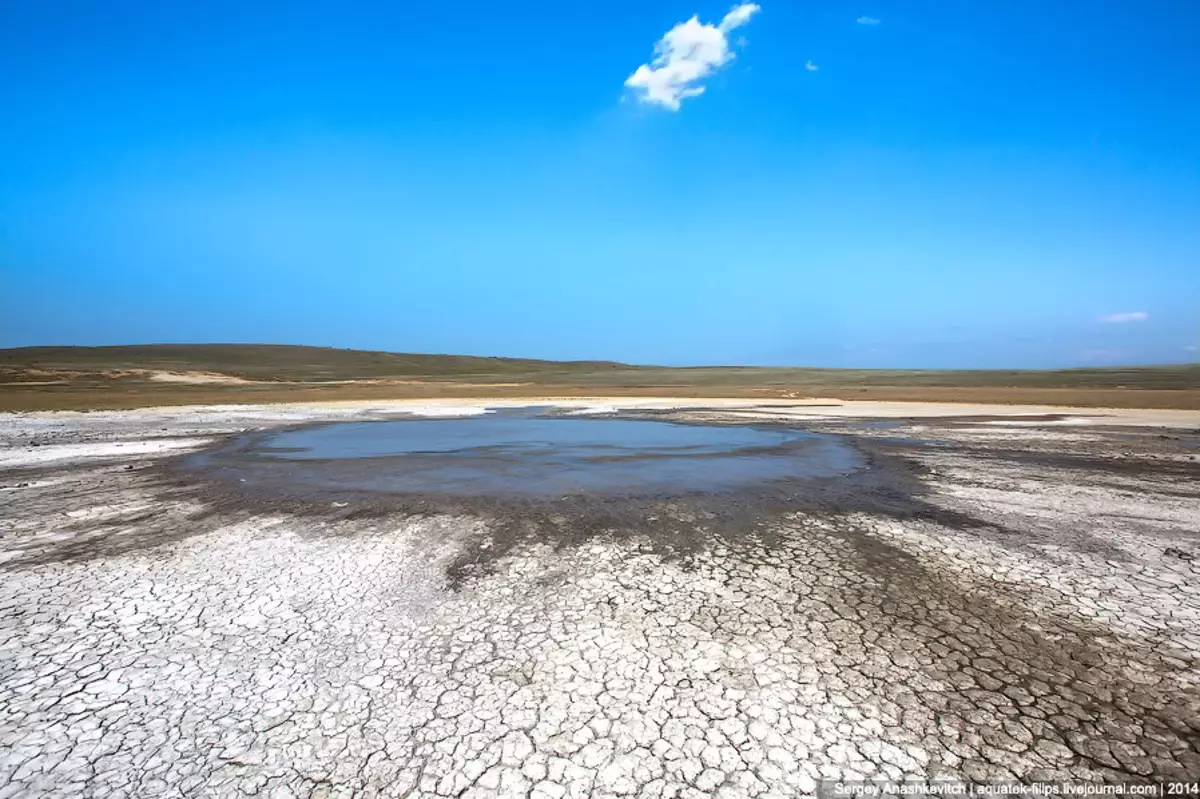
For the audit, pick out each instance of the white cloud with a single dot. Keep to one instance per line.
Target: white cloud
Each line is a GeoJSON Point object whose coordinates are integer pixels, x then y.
{"type": "Point", "coordinates": [1128, 316]}
{"type": "Point", "coordinates": [738, 16]}
{"type": "Point", "coordinates": [868, 20]}
{"type": "Point", "coordinates": [810, 66]}
{"type": "Point", "coordinates": [686, 55]}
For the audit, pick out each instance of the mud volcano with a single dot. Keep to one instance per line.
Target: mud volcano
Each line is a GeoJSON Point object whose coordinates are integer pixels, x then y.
{"type": "Point", "coordinates": [530, 455]}
{"type": "Point", "coordinates": [678, 485]}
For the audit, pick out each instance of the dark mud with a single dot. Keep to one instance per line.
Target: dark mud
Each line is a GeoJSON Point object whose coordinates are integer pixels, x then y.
{"type": "Point", "coordinates": [517, 453]}
{"type": "Point", "coordinates": [677, 520]}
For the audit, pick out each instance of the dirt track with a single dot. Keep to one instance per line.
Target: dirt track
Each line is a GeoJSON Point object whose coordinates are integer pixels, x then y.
{"type": "Point", "coordinates": [1012, 598]}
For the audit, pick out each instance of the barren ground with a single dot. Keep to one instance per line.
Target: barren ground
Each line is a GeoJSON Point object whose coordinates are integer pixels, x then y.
{"type": "Point", "coordinates": [112, 378]}
{"type": "Point", "coordinates": [1013, 594]}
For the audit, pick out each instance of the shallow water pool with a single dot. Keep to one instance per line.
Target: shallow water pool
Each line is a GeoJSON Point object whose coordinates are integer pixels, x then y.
{"type": "Point", "coordinates": [527, 453]}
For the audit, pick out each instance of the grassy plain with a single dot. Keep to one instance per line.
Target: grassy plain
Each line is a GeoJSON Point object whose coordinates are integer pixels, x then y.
{"type": "Point", "coordinates": [86, 378]}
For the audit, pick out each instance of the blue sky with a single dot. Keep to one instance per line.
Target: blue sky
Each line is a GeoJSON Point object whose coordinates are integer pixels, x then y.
{"type": "Point", "coordinates": [883, 183]}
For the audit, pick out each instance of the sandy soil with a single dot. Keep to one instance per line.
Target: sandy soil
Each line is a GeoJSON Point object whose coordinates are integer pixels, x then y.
{"type": "Point", "coordinates": [1014, 596]}
{"type": "Point", "coordinates": [197, 378]}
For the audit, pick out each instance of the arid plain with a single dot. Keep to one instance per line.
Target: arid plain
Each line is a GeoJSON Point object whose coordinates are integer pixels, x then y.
{"type": "Point", "coordinates": [995, 592]}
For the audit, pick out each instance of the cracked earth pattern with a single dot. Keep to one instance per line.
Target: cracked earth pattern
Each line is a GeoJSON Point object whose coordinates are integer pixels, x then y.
{"type": "Point", "coordinates": [250, 654]}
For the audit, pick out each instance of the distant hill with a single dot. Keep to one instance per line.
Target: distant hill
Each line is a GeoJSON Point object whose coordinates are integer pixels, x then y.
{"type": "Point", "coordinates": [283, 361]}
{"type": "Point", "coordinates": [171, 374]}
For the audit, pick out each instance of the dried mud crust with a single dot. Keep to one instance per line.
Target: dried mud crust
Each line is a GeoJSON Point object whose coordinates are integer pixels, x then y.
{"type": "Point", "coordinates": [981, 603]}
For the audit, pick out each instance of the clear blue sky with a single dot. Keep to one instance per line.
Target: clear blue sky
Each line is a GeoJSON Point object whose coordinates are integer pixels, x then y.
{"type": "Point", "coordinates": [866, 183]}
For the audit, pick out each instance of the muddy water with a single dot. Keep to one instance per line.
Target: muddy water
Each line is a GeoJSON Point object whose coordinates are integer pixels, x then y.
{"type": "Point", "coordinates": [526, 454]}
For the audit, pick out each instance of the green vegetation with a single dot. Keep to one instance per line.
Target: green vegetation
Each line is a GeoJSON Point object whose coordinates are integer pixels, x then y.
{"type": "Point", "coordinates": [283, 363]}
{"type": "Point", "coordinates": [98, 377]}
{"type": "Point", "coordinates": [280, 362]}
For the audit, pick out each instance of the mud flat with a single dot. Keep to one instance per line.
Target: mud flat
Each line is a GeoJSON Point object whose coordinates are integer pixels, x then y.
{"type": "Point", "coordinates": [980, 593]}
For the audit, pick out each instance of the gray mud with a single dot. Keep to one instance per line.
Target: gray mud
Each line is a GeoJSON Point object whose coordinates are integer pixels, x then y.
{"type": "Point", "coordinates": [529, 454]}
{"type": "Point", "coordinates": [678, 487]}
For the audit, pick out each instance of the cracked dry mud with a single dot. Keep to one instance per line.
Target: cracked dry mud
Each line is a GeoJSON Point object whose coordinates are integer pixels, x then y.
{"type": "Point", "coordinates": [159, 640]}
